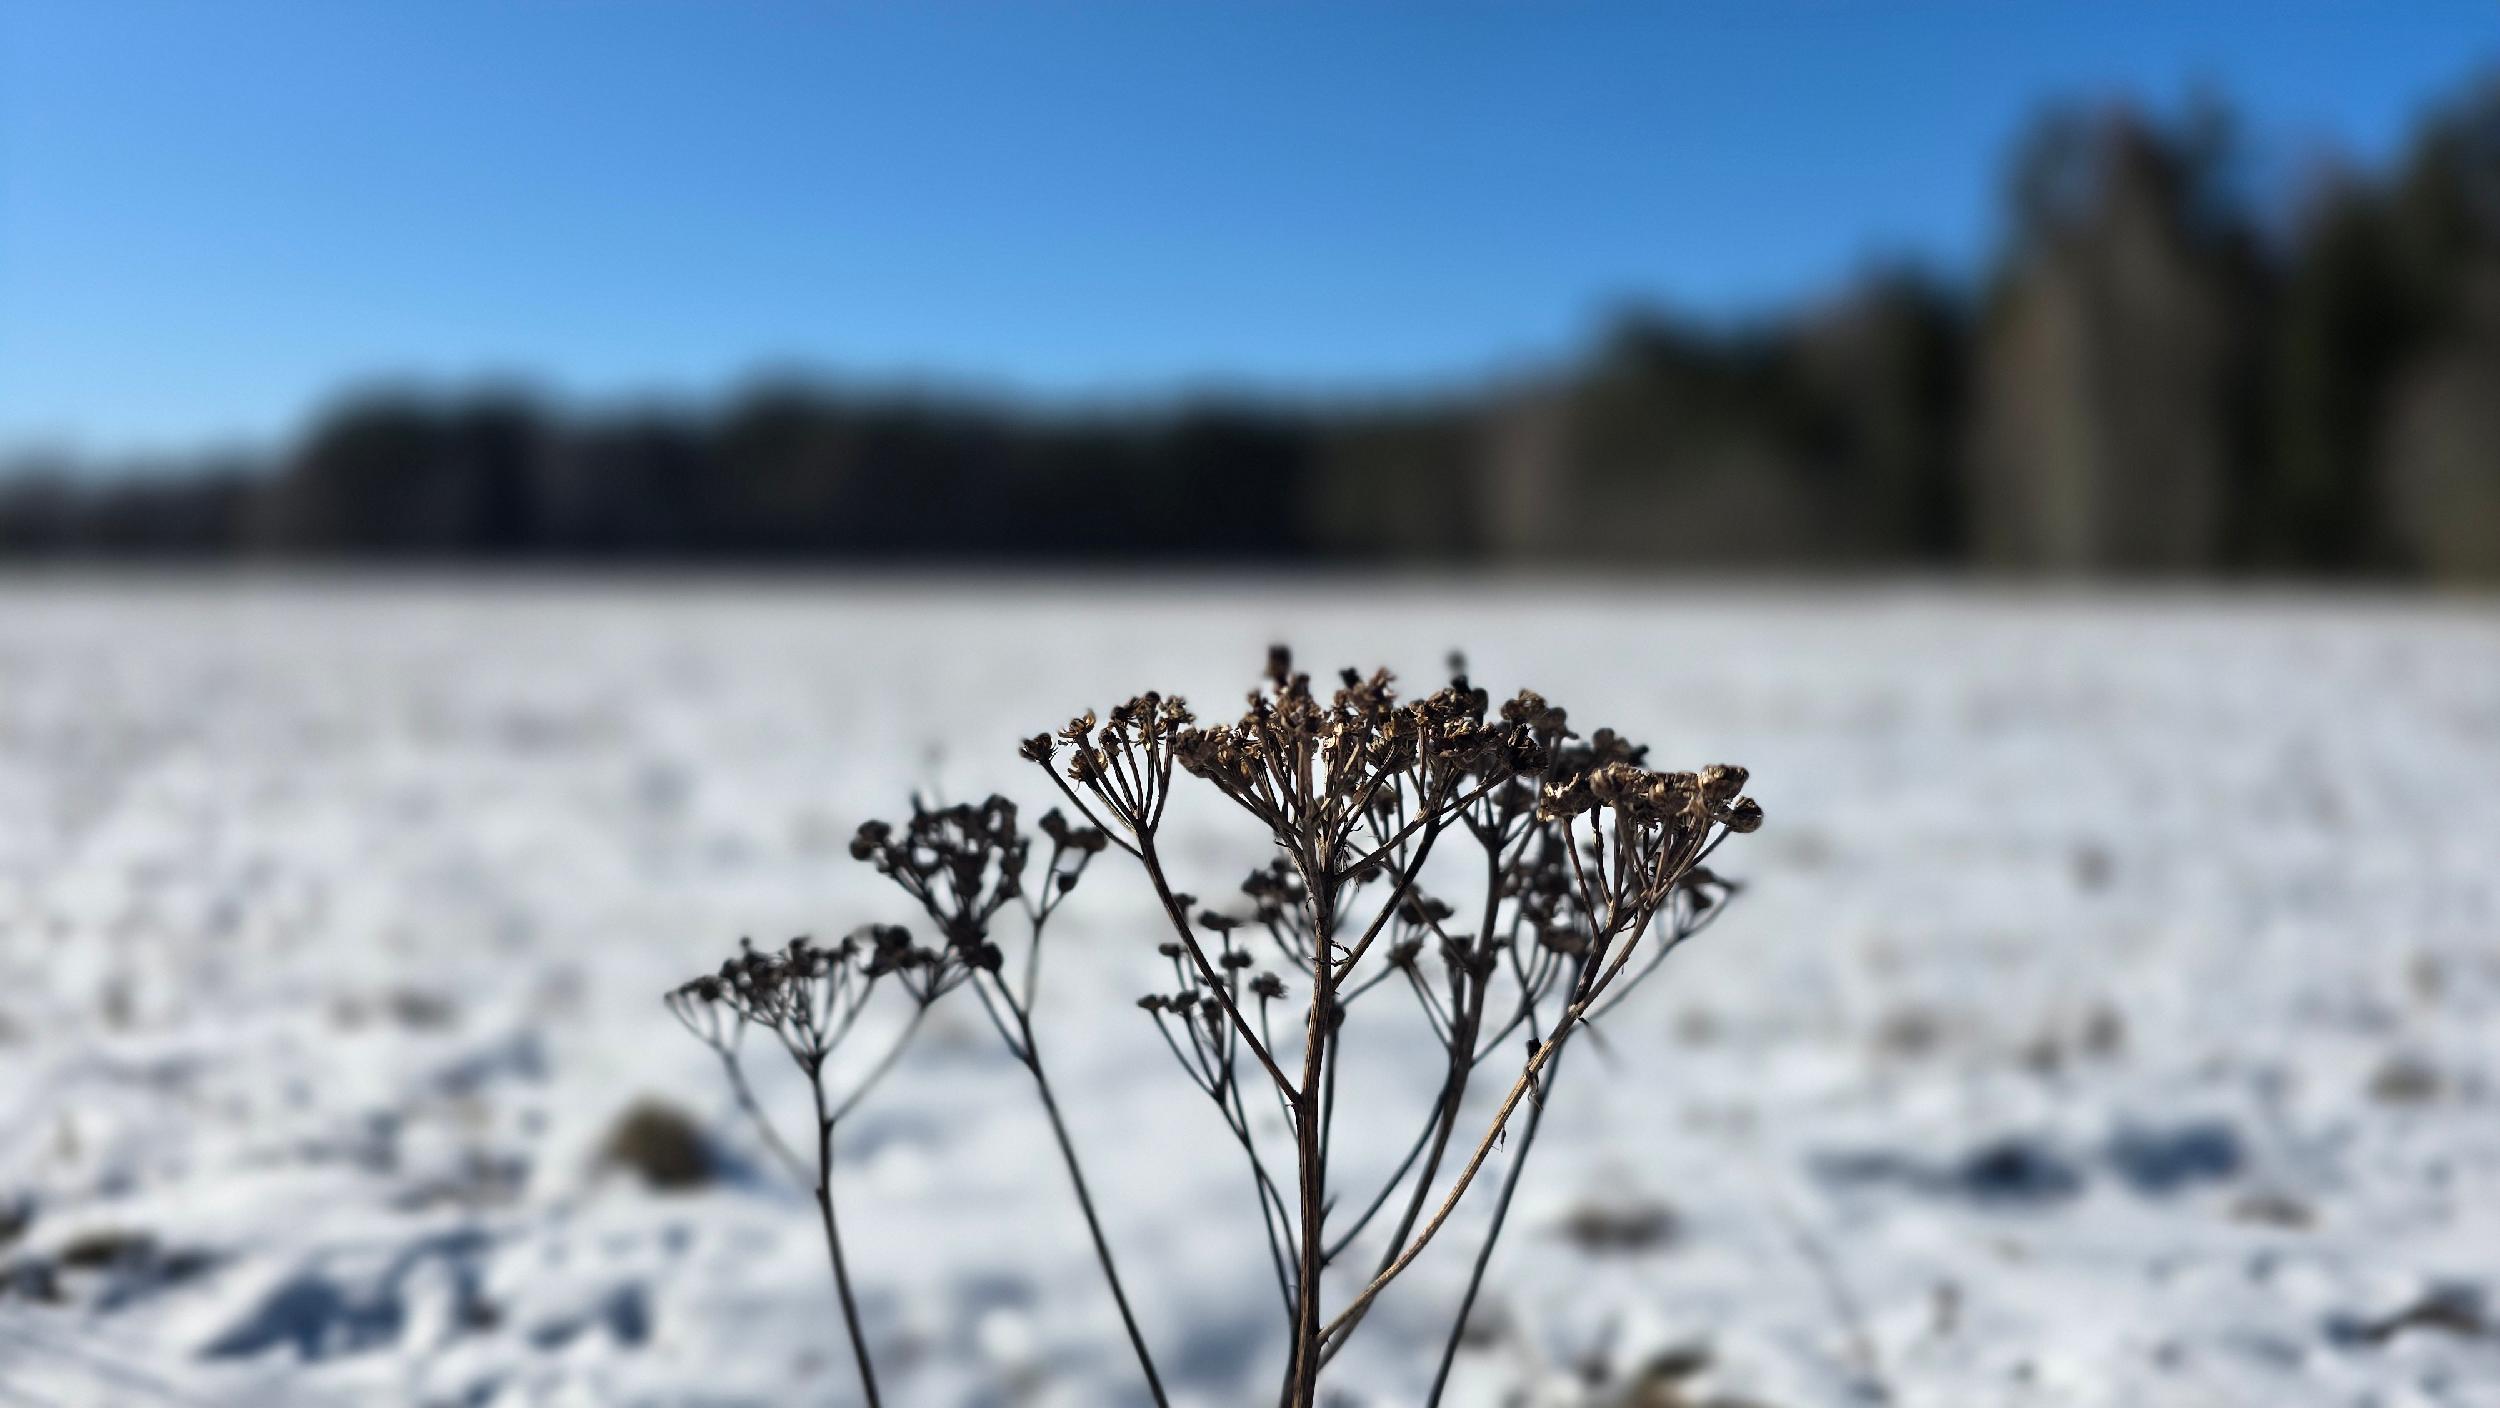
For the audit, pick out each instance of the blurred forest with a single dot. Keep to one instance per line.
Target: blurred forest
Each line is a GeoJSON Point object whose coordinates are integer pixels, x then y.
{"type": "Point", "coordinates": [2166, 370]}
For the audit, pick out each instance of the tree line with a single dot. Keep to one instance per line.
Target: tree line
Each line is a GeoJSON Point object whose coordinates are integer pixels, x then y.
{"type": "Point", "coordinates": [2169, 367]}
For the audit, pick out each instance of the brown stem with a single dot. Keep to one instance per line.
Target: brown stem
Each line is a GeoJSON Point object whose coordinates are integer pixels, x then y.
{"type": "Point", "coordinates": [1309, 1141]}
{"type": "Point", "coordinates": [1388, 1188]}
{"type": "Point", "coordinates": [1216, 986]}
{"type": "Point", "coordinates": [833, 1238]}
{"type": "Point", "coordinates": [1475, 1163]}
{"type": "Point", "coordinates": [1462, 1038]}
{"type": "Point", "coordinates": [1453, 1094]}
{"type": "Point", "coordinates": [1093, 1225]}
{"type": "Point", "coordinates": [1493, 1234]}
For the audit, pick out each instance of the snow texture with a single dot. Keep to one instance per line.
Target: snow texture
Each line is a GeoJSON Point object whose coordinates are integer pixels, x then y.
{"type": "Point", "coordinates": [2110, 1021]}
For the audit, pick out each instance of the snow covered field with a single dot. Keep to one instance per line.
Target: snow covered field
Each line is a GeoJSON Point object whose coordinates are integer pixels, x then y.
{"type": "Point", "coordinates": [2114, 1018]}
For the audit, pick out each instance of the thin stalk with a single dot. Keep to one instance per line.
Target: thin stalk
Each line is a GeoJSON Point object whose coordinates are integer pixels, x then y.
{"type": "Point", "coordinates": [1460, 1039]}
{"type": "Point", "coordinates": [1274, 1217]}
{"type": "Point", "coordinates": [850, 1303]}
{"type": "Point", "coordinates": [885, 1063]}
{"type": "Point", "coordinates": [1453, 1093]}
{"type": "Point", "coordinates": [1493, 1234]}
{"type": "Point", "coordinates": [833, 1240]}
{"type": "Point", "coordinates": [1206, 971]}
{"type": "Point", "coordinates": [1475, 1163]}
{"type": "Point", "coordinates": [745, 1095]}
{"type": "Point", "coordinates": [1590, 989]}
{"type": "Point", "coordinates": [1093, 1225]}
{"type": "Point", "coordinates": [1397, 1177]}
{"type": "Point", "coordinates": [1309, 1143]}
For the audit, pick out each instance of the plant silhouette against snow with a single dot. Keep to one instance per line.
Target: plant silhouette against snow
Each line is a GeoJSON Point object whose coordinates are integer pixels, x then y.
{"type": "Point", "coordinates": [811, 998]}
{"type": "Point", "coordinates": [1579, 869]}
{"type": "Point", "coordinates": [965, 865]}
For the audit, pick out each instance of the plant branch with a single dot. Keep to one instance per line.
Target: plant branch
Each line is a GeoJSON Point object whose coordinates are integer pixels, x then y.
{"type": "Point", "coordinates": [1093, 1220]}
{"type": "Point", "coordinates": [833, 1237]}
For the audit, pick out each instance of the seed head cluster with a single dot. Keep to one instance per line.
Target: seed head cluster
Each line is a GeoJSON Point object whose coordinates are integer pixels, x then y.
{"type": "Point", "coordinates": [964, 863]}
{"type": "Point", "coordinates": [1511, 877]}
{"type": "Point", "coordinates": [1577, 867]}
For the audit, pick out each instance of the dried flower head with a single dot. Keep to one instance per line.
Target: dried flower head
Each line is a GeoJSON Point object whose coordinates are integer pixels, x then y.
{"type": "Point", "coordinates": [1514, 879]}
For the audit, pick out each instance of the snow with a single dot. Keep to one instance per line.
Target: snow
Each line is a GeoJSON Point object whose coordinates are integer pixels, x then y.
{"type": "Point", "coordinates": [2110, 1020]}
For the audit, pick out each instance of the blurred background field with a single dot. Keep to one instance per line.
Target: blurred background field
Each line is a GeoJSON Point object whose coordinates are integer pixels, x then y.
{"type": "Point", "coordinates": [2050, 289]}
{"type": "Point", "coordinates": [491, 495]}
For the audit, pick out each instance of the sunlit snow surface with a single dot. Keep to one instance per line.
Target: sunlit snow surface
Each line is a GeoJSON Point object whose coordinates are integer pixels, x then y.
{"type": "Point", "coordinates": [2114, 1017]}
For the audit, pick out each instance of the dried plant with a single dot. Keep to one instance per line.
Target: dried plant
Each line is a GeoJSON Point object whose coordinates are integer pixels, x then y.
{"type": "Point", "coordinates": [965, 866]}
{"type": "Point", "coordinates": [1513, 879]}
{"type": "Point", "coordinates": [1583, 851]}
{"type": "Point", "coordinates": [811, 999]}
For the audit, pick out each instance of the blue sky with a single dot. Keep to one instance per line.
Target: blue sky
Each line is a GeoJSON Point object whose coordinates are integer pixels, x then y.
{"type": "Point", "coordinates": [213, 215]}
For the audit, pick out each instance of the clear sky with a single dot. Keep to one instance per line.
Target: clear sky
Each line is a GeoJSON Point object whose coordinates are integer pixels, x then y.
{"type": "Point", "coordinates": [215, 213]}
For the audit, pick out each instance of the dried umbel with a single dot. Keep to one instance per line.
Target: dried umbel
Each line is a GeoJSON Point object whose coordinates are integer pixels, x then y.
{"type": "Point", "coordinates": [811, 999]}
{"type": "Point", "coordinates": [811, 996]}
{"type": "Point", "coordinates": [1512, 878]}
{"type": "Point", "coordinates": [966, 867]}
{"type": "Point", "coordinates": [1585, 860]}
{"type": "Point", "coordinates": [965, 863]}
